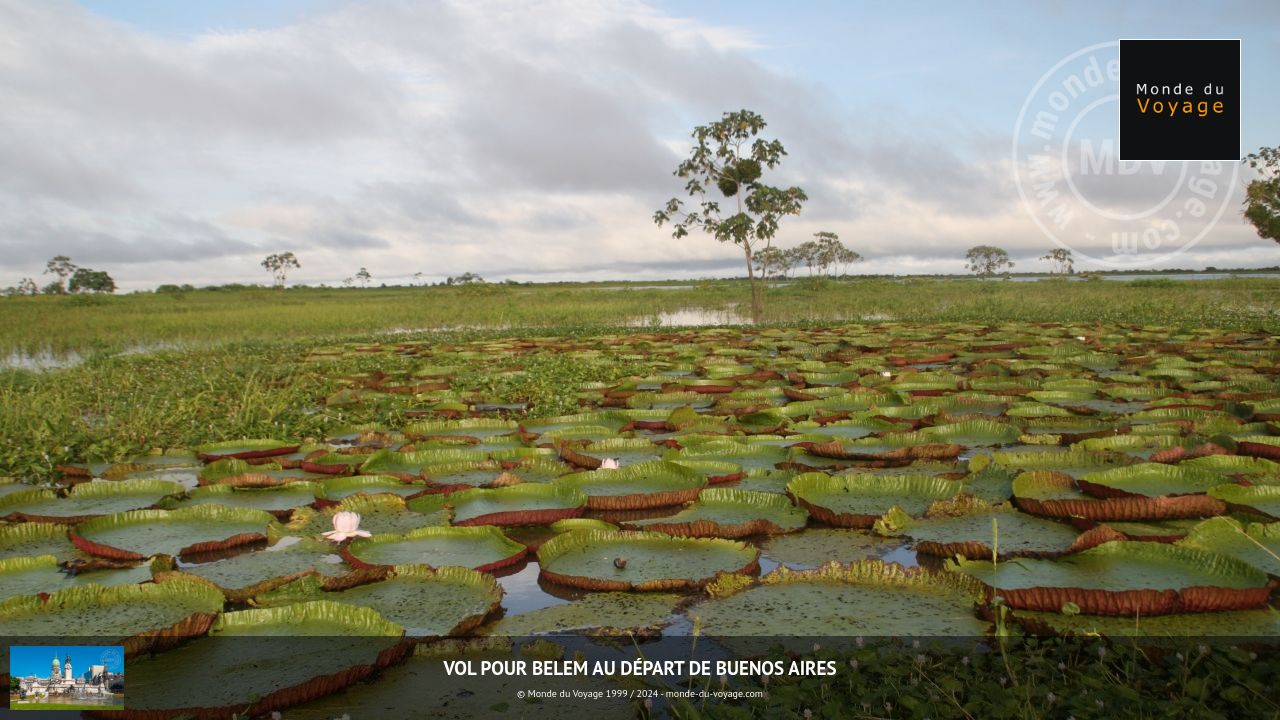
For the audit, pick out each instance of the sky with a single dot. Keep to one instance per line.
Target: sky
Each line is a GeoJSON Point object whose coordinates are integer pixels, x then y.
{"type": "Point", "coordinates": [182, 142]}
{"type": "Point", "coordinates": [37, 659]}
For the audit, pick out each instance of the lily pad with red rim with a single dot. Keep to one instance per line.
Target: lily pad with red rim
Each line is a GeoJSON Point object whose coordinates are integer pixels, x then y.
{"type": "Point", "coordinates": [521, 504]}
{"type": "Point", "coordinates": [138, 534]}
{"type": "Point", "coordinates": [729, 513]}
{"type": "Point", "coordinates": [142, 617]}
{"type": "Point", "coordinates": [483, 548]}
{"type": "Point", "coordinates": [636, 487]}
{"type": "Point", "coordinates": [244, 449]}
{"type": "Point", "coordinates": [425, 601]}
{"type": "Point", "coordinates": [1125, 578]}
{"type": "Point", "coordinates": [648, 561]}
{"type": "Point", "coordinates": [857, 500]}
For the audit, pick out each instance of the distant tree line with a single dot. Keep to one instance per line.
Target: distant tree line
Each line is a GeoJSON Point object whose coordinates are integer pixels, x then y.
{"type": "Point", "coordinates": [69, 278]}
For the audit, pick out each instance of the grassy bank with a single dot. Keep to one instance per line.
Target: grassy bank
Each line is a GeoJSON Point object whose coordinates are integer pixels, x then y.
{"type": "Point", "coordinates": [86, 324]}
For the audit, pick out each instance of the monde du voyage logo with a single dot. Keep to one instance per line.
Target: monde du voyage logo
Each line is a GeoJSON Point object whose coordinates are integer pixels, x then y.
{"type": "Point", "coordinates": [1125, 152]}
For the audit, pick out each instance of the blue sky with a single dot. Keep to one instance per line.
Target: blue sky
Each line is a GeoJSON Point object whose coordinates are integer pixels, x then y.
{"type": "Point", "coordinates": [37, 659]}
{"type": "Point", "coordinates": [183, 141]}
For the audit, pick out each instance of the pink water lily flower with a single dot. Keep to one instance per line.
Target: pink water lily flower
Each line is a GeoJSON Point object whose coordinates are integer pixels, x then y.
{"type": "Point", "coordinates": [346, 525]}
{"type": "Point", "coordinates": [609, 464]}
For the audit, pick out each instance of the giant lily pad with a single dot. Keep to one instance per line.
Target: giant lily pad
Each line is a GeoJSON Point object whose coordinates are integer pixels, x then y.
{"type": "Point", "coordinates": [330, 646]}
{"type": "Point", "coordinates": [1255, 543]}
{"type": "Point", "coordinates": [1125, 578]}
{"type": "Point", "coordinates": [618, 560]}
{"type": "Point", "coordinates": [636, 487]}
{"type": "Point", "coordinates": [819, 546]}
{"type": "Point", "coordinates": [410, 465]}
{"type": "Point", "coordinates": [138, 534]}
{"type": "Point", "coordinates": [482, 548]}
{"type": "Point", "coordinates": [605, 614]}
{"type": "Point", "coordinates": [279, 500]}
{"type": "Point", "coordinates": [340, 487]}
{"type": "Point", "coordinates": [41, 574]}
{"type": "Point", "coordinates": [972, 529]}
{"type": "Point", "coordinates": [974, 433]}
{"type": "Point", "coordinates": [31, 538]}
{"type": "Point", "coordinates": [144, 616]}
{"type": "Point", "coordinates": [244, 449]}
{"type": "Point", "coordinates": [857, 500]}
{"type": "Point", "coordinates": [1263, 499]}
{"type": "Point", "coordinates": [1148, 480]}
{"type": "Point", "coordinates": [87, 500]}
{"type": "Point", "coordinates": [866, 598]}
{"type": "Point", "coordinates": [523, 504]}
{"type": "Point", "coordinates": [244, 575]}
{"type": "Point", "coordinates": [425, 601]}
{"type": "Point", "coordinates": [729, 513]}
{"type": "Point", "coordinates": [379, 514]}
{"type": "Point", "coordinates": [1056, 495]}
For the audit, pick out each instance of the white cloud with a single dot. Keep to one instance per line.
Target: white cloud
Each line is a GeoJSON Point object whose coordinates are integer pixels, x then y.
{"type": "Point", "coordinates": [518, 140]}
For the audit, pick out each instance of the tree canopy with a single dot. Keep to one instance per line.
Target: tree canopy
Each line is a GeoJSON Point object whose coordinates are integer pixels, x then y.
{"type": "Point", "coordinates": [279, 265]}
{"type": "Point", "coordinates": [1262, 196]}
{"type": "Point", "coordinates": [987, 260]}
{"type": "Point", "coordinates": [729, 156]}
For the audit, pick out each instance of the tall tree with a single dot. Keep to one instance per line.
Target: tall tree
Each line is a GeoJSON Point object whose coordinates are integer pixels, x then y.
{"type": "Point", "coordinates": [279, 265]}
{"type": "Point", "coordinates": [364, 277]}
{"type": "Point", "coordinates": [62, 267]}
{"type": "Point", "coordinates": [94, 281]}
{"type": "Point", "coordinates": [987, 260]}
{"type": "Point", "coordinates": [1060, 260]}
{"type": "Point", "coordinates": [729, 156]}
{"type": "Point", "coordinates": [1262, 196]}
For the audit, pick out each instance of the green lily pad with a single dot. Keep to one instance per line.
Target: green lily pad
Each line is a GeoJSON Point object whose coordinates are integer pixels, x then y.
{"type": "Point", "coordinates": [974, 433]}
{"type": "Point", "coordinates": [1125, 578]}
{"type": "Point", "coordinates": [115, 612]}
{"type": "Point", "coordinates": [380, 514]}
{"type": "Point", "coordinates": [338, 488]}
{"type": "Point", "coordinates": [819, 546]}
{"type": "Point", "coordinates": [332, 645]}
{"type": "Point", "coordinates": [243, 449]}
{"type": "Point", "coordinates": [636, 487]}
{"type": "Point", "coordinates": [1264, 499]}
{"type": "Point", "coordinates": [868, 598]}
{"type": "Point", "coordinates": [973, 531]}
{"type": "Point", "coordinates": [729, 513]}
{"type": "Point", "coordinates": [605, 613]}
{"type": "Point", "coordinates": [425, 601]}
{"type": "Point", "coordinates": [1256, 543]}
{"type": "Point", "coordinates": [523, 504]}
{"type": "Point", "coordinates": [603, 560]}
{"type": "Point", "coordinates": [31, 575]}
{"type": "Point", "coordinates": [857, 500]}
{"type": "Point", "coordinates": [138, 534]}
{"type": "Point", "coordinates": [273, 499]}
{"type": "Point", "coordinates": [31, 538]}
{"type": "Point", "coordinates": [482, 548]}
{"type": "Point", "coordinates": [88, 499]}
{"type": "Point", "coordinates": [1149, 480]}
{"type": "Point", "coordinates": [244, 575]}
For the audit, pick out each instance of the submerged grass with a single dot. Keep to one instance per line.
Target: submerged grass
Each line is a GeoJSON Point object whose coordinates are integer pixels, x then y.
{"type": "Point", "coordinates": [85, 325]}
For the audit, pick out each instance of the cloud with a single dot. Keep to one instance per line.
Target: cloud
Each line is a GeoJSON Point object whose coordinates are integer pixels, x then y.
{"type": "Point", "coordinates": [509, 139]}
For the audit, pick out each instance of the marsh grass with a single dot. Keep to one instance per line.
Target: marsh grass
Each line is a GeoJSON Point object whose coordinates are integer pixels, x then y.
{"type": "Point", "coordinates": [32, 325]}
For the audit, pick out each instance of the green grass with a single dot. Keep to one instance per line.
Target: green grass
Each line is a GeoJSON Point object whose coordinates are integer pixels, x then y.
{"type": "Point", "coordinates": [96, 324]}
